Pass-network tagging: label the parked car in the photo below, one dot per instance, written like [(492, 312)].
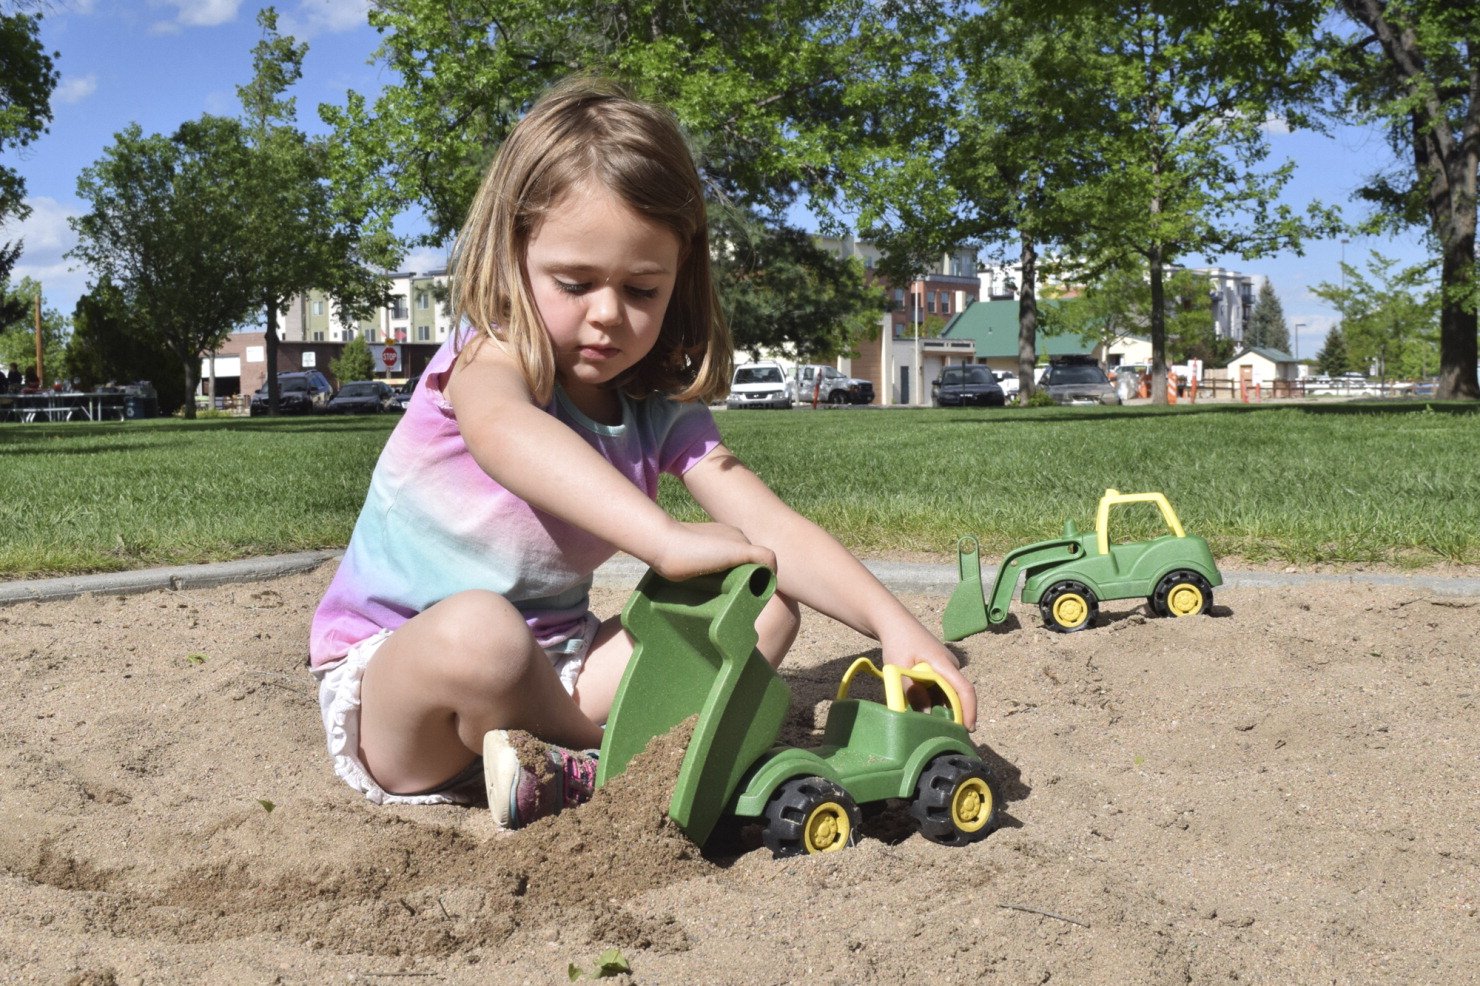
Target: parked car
[(760, 385), (402, 397), (1078, 379), (361, 397), (969, 385), (1008, 381), (302, 392), (830, 385)]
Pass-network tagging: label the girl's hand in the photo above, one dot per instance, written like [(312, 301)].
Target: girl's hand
[(698, 549), (910, 645)]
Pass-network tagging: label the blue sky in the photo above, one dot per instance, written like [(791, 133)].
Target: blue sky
[(162, 62)]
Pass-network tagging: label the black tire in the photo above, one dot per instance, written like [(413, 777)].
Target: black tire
[(955, 801), (810, 815), (1068, 606), (838, 397), (1182, 593)]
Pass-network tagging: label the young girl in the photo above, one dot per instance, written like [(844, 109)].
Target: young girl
[(591, 342)]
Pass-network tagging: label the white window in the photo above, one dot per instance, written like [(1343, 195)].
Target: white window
[(422, 300), (318, 308), (423, 333)]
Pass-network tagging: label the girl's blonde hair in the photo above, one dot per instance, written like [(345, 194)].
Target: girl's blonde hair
[(587, 129)]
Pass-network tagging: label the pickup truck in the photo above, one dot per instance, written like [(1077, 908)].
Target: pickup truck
[(830, 385)]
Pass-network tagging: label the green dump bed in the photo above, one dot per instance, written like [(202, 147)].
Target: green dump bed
[(695, 653)]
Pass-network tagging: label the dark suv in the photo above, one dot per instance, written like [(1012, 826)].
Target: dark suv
[(1077, 379), (298, 393), (960, 386)]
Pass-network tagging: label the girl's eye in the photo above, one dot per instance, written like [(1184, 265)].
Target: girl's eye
[(646, 294), (570, 288)]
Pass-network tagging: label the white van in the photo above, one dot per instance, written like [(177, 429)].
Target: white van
[(761, 385)]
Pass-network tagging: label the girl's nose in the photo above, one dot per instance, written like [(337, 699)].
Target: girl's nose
[(605, 308)]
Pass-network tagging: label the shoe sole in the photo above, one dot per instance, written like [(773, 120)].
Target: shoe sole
[(501, 772)]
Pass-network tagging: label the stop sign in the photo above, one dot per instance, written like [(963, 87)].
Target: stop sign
[(390, 357)]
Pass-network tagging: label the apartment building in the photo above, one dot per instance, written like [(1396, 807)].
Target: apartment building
[(416, 312)]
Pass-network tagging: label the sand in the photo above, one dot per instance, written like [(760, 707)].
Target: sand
[(1283, 791)]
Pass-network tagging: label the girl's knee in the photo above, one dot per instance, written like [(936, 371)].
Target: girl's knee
[(481, 641)]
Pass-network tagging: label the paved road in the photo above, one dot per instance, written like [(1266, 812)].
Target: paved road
[(623, 572)]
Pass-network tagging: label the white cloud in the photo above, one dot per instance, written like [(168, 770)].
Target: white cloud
[(1275, 125), (76, 88), (314, 17), (425, 259), (196, 13), (46, 237)]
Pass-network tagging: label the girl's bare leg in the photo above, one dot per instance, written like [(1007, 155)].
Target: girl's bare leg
[(449, 675)]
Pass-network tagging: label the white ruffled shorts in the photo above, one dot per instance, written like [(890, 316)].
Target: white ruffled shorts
[(339, 702)]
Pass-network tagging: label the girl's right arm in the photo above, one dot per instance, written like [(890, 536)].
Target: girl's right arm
[(537, 458)]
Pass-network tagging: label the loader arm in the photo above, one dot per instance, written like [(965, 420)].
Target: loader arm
[(1027, 560)]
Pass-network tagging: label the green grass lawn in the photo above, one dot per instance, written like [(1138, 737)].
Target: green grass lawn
[(1321, 483)]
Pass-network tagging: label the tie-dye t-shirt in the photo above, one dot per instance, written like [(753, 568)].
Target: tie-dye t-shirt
[(435, 524)]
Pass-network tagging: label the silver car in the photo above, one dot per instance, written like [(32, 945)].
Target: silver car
[(1077, 380)]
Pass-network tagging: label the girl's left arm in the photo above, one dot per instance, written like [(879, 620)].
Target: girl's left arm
[(813, 568)]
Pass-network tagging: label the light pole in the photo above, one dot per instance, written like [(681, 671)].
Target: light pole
[(918, 374), (1296, 339)]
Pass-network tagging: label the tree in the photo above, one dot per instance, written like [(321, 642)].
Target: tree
[(1332, 360), (18, 334), (781, 292), (1266, 326), (1118, 303), (353, 362), (1184, 161), (766, 93), (106, 347), (296, 237), (1030, 90), (166, 226), (1389, 317), (26, 86), (1417, 72)]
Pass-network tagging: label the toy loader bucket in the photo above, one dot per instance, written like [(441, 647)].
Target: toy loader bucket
[(966, 612), (695, 653)]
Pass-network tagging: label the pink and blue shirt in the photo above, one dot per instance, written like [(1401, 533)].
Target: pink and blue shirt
[(435, 524)]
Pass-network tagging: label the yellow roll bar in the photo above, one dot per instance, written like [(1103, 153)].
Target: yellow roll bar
[(891, 674), (1113, 498)]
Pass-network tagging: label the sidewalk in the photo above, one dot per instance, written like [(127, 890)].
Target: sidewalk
[(908, 578)]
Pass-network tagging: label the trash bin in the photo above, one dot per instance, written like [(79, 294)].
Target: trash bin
[(140, 401)]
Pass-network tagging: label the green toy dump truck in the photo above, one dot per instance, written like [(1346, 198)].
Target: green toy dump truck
[(695, 654), (1069, 576)]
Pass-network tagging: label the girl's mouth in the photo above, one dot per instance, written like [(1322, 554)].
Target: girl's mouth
[(599, 353)]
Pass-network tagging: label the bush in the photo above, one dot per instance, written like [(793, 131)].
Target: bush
[(1040, 398)]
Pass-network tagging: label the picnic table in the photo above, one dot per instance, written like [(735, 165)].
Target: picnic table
[(53, 405)]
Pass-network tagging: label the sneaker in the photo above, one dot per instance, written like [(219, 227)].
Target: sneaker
[(529, 779)]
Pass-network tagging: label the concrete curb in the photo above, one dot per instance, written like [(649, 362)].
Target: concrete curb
[(623, 572)]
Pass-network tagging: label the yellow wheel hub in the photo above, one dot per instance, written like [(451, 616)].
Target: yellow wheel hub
[(1185, 599), (971, 805), (1070, 609), (827, 828)]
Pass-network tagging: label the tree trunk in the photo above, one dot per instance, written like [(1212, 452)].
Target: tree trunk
[(1027, 319), (270, 340), (192, 381), (1445, 153), (1158, 328)]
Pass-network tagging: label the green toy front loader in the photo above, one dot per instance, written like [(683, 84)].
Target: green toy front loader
[(1068, 576)]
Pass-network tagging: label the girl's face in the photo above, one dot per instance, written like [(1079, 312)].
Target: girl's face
[(602, 275)]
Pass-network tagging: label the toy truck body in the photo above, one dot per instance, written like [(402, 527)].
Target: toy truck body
[(1069, 576), (695, 656)]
